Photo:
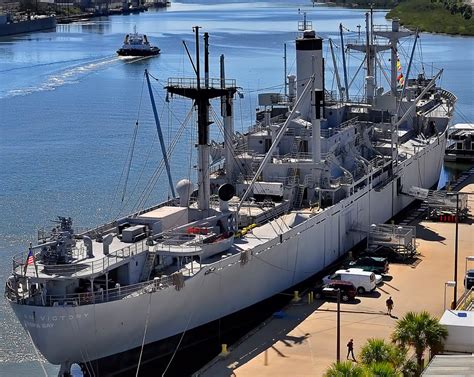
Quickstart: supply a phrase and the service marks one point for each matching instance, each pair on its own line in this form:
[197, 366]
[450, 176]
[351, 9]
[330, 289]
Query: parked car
[364, 281]
[329, 290]
[377, 265]
[469, 279]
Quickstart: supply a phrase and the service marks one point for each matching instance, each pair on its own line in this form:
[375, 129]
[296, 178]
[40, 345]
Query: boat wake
[68, 75]
[133, 59]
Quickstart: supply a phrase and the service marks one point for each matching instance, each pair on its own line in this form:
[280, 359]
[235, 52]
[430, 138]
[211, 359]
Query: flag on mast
[30, 259]
[400, 78]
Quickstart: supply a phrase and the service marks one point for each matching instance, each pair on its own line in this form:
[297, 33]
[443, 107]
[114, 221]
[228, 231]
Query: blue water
[68, 108]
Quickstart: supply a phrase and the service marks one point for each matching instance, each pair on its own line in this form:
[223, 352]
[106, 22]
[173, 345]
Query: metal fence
[192, 83]
[101, 295]
[86, 268]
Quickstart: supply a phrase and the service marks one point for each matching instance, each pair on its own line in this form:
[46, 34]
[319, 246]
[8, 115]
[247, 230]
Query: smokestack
[309, 45]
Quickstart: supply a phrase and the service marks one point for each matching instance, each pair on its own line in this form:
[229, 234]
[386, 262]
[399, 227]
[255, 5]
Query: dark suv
[376, 265]
[348, 290]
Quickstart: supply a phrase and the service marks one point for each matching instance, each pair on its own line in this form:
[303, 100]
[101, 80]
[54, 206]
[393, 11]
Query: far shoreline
[428, 16]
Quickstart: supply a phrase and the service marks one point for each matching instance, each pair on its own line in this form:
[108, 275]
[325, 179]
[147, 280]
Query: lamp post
[338, 322]
[456, 251]
[455, 297]
[449, 283]
[338, 335]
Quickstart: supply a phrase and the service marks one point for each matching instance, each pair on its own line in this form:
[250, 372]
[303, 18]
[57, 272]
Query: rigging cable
[150, 185]
[129, 162]
[37, 354]
[144, 333]
[248, 171]
[187, 325]
[152, 181]
[132, 143]
[236, 160]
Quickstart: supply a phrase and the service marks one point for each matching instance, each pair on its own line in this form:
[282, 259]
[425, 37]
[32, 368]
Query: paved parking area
[303, 341]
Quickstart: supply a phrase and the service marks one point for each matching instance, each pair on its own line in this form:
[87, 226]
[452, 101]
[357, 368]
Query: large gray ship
[9, 26]
[271, 208]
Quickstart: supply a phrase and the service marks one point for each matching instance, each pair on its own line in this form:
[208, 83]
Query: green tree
[401, 362]
[379, 351]
[467, 14]
[345, 369]
[382, 369]
[420, 331]
[375, 351]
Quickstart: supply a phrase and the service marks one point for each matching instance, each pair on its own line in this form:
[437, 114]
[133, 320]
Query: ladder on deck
[298, 200]
[299, 196]
[148, 266]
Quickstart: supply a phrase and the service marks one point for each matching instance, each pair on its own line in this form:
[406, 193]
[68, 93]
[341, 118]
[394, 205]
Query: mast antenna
[191, 88]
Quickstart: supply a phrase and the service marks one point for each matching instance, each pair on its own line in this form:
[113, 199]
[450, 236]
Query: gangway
[441, 204]
[400, 239]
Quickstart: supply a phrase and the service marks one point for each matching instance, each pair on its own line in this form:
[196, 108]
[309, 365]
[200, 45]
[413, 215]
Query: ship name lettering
[45, 318]
[38, 326]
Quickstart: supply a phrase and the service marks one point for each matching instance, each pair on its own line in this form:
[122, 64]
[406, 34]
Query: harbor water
[69, 108]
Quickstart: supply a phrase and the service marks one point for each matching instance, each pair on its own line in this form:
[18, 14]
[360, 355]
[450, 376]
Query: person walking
[350, 349]
[389, 303]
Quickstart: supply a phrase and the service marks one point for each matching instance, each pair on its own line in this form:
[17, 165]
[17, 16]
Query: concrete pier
[302, 341]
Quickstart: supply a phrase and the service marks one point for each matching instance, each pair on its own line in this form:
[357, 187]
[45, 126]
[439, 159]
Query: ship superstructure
[272, 207]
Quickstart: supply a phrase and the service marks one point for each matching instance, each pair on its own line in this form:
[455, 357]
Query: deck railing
[192, 83]
[85, 268]
[99, 296]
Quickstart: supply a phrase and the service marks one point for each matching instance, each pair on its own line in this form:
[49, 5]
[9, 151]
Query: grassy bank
[445, 16]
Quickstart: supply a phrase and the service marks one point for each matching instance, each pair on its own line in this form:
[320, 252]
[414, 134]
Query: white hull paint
[91, 332]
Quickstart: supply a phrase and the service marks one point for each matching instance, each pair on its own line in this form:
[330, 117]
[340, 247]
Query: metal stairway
[298, 200]
[148, 266]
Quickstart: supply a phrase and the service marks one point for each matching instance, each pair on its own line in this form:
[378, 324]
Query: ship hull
[90, 332]
[138, 52]
[193, 349]
[29, 26]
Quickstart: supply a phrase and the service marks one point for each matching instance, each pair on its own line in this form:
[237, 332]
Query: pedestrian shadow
[288, 340]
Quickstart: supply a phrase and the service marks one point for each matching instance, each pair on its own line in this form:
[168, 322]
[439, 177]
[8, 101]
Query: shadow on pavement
[275, 329]
[427, 234]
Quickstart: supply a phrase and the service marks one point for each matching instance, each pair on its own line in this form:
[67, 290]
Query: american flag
[31, 258]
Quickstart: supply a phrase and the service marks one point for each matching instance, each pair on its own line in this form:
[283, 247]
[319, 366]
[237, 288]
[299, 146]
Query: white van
[378, 278]
[364, 281]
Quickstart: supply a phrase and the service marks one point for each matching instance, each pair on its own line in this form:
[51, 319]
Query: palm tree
[399, 359]
[382, 369]
[420, 331]
[379, 351]
[375, 351]
[345, 369]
